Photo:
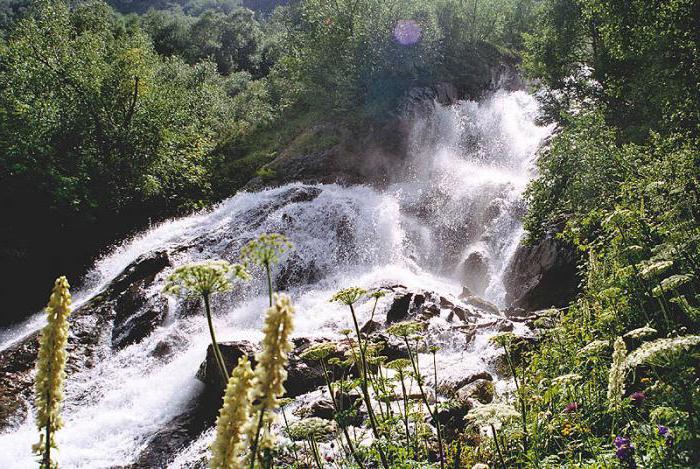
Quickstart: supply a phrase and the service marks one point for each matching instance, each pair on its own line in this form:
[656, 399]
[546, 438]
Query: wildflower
[50, 370]
[660, 350]
[671, 283]
[311, 428]
[637, 398]
[616, 376]
[624, 449]
[504, 339]
[265, 250]
[270, 372]
[594, 348]
[229, 444]
[318, 352]
[567, 429]
[406, 328]
[571, 407]
[399, 364]
[492, 414]
[641, 333]
[656, 268]
[349, 296]
[204, 278]
[569, 378]
[666, 434]
[377, 294]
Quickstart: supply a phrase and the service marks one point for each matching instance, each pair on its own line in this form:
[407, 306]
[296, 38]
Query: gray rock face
[481, 390]
[137, 315]
[541, 276]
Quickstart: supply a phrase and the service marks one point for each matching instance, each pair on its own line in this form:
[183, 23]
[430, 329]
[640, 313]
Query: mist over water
[450, 218]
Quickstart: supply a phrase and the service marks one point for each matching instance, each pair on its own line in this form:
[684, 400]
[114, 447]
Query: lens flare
[407, 32]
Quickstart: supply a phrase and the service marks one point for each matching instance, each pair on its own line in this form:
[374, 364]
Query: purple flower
[407, 32]
[571, 407]
[637, 398]
[625, 448]
[666, 433]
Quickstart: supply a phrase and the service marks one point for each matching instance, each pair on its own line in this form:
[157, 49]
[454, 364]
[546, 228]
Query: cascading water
[449, 218]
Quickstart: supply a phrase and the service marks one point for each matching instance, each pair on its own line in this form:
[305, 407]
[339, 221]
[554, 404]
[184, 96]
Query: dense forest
[115, 115]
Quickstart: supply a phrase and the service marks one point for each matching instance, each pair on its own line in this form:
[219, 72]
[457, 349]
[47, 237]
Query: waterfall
[450, 217]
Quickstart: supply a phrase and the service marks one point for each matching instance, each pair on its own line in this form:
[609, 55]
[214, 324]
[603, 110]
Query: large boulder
[541, 276]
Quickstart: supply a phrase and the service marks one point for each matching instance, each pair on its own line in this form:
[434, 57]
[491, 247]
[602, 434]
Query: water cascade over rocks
[440, 233]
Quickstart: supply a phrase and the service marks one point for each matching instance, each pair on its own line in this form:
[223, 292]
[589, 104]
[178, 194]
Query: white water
[459, 193]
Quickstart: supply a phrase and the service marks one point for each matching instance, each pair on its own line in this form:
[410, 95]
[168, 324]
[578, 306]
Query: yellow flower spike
[229, 444]
[50, 370]
[270, 372]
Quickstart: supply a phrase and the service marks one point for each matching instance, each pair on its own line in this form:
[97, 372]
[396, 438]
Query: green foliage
[643, 55]
[621, 182]
[348, 53]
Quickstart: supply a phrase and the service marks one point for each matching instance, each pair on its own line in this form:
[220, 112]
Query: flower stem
[215, 345]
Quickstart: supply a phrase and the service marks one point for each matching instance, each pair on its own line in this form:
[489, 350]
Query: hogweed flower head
[569, 378]
[378, 294]
[319, 352]
[660, 351]
[399, 364]
[617, 374]
[349, 296]
[655, 268]
[492, 414]
[594, 348]
[229, 444]
[406, 328]
[674, 282]
[641, 333]
[50, 368]
[266, 249]
[204, 278]
[312, 428]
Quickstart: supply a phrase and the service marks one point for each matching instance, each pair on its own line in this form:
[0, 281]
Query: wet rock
[451, 386]
[295, 271]
[232, 351]
[429, 311]
[321, 408]
[482, 390]
[370, 327]
[476, 272]
[303, 375]
[399, 308]
[451, 416]
[392, 347]
[541, 276]
[136, 318]
[445, 303]
[144, 269]
[480, 304]
[179, 432]
[418, 301]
